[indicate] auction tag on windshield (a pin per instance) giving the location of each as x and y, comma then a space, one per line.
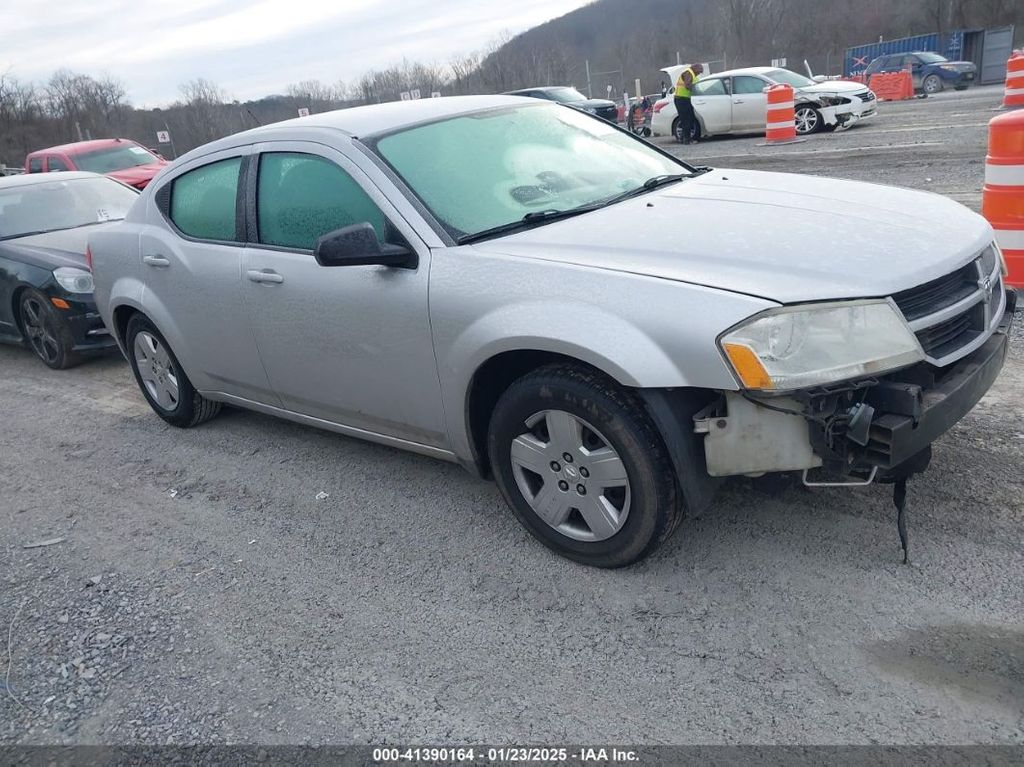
137, 150
102, 214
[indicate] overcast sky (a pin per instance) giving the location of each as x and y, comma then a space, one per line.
250, 48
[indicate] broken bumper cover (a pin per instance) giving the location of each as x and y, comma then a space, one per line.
929, 412
904, 412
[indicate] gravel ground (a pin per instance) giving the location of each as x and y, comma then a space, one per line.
202, 593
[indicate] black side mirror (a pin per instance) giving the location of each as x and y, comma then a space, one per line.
357, 245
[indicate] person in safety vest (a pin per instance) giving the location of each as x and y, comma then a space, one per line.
684, 86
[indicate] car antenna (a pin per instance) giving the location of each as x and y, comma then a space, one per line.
899, 499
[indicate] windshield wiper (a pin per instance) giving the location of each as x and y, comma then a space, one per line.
530, 220
538, 217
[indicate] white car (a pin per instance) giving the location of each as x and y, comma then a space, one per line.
735, 102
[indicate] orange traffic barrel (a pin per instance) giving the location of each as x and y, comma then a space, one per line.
1013, 96
1003, 200
780, 122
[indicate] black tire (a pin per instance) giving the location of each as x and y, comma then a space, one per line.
812, 116
45, 331
655, 508
937, 85
191, 408
677, 131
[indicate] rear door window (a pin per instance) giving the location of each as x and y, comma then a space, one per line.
35, 165
748, 85
55, 163
714, 87
300, 197
203, 201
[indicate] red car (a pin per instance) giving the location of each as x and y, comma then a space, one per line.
118, 158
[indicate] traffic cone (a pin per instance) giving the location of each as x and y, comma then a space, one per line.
1003, 198
780, 121
1013, 96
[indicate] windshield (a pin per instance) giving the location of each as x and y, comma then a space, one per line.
114, 158
62, 204
565, 95
931, 58
789, 78
478, 171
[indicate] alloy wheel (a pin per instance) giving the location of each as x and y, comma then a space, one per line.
156, 370
39, 329
932, 84
806, 120
571, 476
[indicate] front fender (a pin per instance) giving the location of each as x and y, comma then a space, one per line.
644, 332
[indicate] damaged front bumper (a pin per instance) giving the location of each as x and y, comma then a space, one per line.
864, 429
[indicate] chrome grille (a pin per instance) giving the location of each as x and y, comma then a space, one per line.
954, 314
867, 97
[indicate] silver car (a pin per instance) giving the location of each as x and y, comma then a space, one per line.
549, 301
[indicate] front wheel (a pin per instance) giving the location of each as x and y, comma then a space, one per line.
45, 331
582, 467
161, 378
932, 84
808, 120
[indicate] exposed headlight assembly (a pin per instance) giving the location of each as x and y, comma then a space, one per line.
800, 347
74, 280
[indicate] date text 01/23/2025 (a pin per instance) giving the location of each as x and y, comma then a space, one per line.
502, 754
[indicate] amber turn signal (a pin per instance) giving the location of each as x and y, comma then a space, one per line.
748, 367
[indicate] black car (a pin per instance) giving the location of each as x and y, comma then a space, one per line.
572, 97
46, 300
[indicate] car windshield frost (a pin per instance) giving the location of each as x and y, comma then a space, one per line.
786, 77
65, 204
480, 171
114, 158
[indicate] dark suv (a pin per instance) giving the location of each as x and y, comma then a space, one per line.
565, 95
931, 72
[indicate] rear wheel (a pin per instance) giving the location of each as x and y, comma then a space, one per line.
932, 84
46, 332
582, 467
677, 130
808, 120
161, 378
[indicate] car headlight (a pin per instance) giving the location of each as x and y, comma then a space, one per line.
949, 67
804, 346
74, 280
833, 101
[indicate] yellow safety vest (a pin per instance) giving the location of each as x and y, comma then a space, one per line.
681, 90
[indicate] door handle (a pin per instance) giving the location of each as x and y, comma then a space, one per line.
154, 260
738, 101
257, 275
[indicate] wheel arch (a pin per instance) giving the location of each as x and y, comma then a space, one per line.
490, 380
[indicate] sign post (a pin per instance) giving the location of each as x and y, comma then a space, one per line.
303, 111
164, 137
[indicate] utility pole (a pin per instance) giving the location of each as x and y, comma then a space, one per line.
679, 59
590, 90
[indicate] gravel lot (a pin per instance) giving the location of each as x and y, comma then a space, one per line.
202, 592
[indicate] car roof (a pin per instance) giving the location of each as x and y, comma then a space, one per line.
78, 147
370, 120
28, 179
674, 70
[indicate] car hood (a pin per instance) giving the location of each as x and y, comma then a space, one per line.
65, 247
593, 104
778, 236
833, 87
140, 174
